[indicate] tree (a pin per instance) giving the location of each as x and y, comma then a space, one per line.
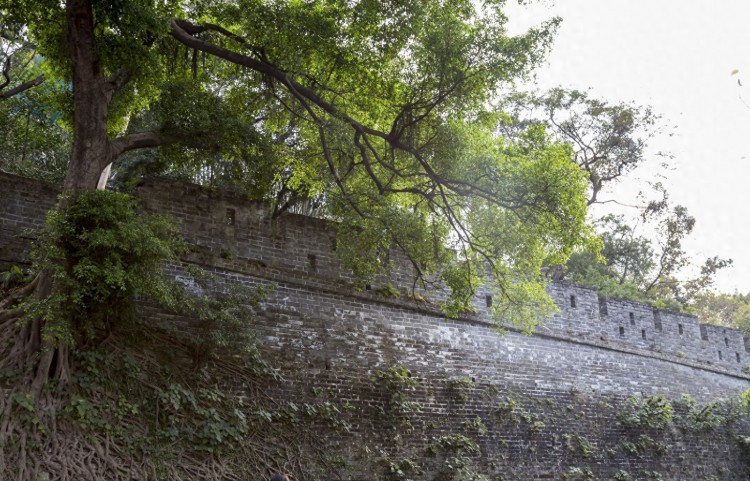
379, 110
33, 144
646, 269
728, 310
609, 140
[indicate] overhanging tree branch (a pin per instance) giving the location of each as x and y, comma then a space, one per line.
181, 31
184, 32
21, 88
143, 140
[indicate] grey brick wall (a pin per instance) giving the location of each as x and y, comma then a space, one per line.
572, 374
232, 233
23, 205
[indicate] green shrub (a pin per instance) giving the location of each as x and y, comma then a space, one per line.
101, 253
652, 412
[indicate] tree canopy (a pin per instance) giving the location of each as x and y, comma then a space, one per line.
380, 114
609, 140
647, 269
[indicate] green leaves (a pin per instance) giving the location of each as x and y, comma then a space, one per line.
376, 114
101, 253
608, 139
653, 412
647, 269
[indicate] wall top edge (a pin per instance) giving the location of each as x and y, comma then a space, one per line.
161, 184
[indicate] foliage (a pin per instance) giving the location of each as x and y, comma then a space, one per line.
13, 276
100, 253
691, 416
221, 311
399, 469
376, 115
644, 446
210, 428
644, 269
622, 475
729, 310
586, 447
509, 409
475, 425
455, 453
146, 400
653, 412
745, 400
213, 431
396, 382
458, 387
609, 140
34, 144
654, 475
576, 473
389, 291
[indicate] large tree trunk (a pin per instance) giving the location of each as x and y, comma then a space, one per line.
40, 358
91, 93
90, 154
27, 346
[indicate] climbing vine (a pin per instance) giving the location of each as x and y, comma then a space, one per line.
396, 383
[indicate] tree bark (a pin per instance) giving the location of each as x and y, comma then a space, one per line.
91, 146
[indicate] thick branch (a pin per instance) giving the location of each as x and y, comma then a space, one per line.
142, 140
21, 88
183, 30
193, 29
116, 81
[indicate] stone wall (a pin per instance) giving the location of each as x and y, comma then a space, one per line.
551, 403
23, 205
241, 235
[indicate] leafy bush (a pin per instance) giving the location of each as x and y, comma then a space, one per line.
100, 253
653, 412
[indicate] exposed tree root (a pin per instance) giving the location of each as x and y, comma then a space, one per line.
64, 416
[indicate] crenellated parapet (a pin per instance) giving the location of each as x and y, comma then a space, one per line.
585, 313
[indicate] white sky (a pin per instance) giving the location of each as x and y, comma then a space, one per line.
677, 56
